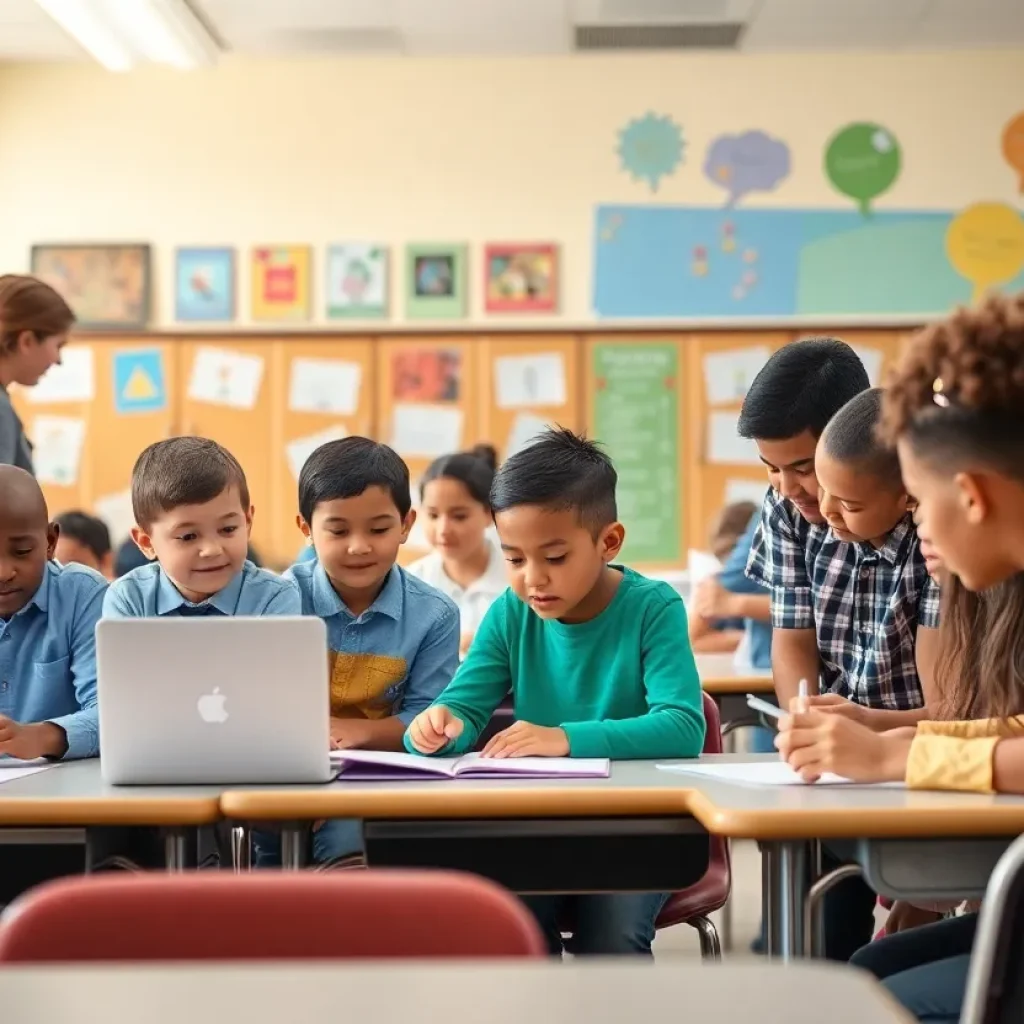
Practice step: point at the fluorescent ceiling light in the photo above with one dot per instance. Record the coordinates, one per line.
(122, 33)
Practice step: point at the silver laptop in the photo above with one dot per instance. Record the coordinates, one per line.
(213, 700)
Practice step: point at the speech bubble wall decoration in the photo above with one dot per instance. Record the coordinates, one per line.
(1013, 147)
(750, 162)
(862, 161)
(651, 148)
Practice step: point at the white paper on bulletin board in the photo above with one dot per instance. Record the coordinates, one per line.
(523, 382)
(737, 490)
(57, 449)
(300, 448)
(325, 385)
(74, 380)
(872, 358)
(221, 376)
(116, 511)
(426, 430)
(725, 447)
(728, 375)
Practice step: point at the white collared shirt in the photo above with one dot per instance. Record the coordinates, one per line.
(474, 600)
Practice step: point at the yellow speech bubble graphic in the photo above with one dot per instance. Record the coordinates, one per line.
(985, 244)
(1013, 146)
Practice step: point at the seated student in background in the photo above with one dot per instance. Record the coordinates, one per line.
(393, 639)
(84, 540)
(955, 410)
(717, 623)
(465, 563)
(48, 616)
(193, 517)
(594, 654)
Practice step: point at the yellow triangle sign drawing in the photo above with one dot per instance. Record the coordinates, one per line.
(139, 386)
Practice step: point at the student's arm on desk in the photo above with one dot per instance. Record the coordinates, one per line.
(705, 639)
(794, 657)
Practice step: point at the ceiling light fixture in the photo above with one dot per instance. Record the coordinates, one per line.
(120, 34)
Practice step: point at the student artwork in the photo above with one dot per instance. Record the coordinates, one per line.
(324, 386)
(520, 278)
(985, 244)
(426, 375)
(357, 281)
(299, 449)
(750, 162)
(725, 447)
(108, 286)
(57, 449)
(435, 281)
(524, 382)
(651, 148)
(281, 282)
(424, 430)
(862, 161)
(728, 375)
(204, 287)
(1013, 147)
(221, 376)
(71, 380)
(139, 384)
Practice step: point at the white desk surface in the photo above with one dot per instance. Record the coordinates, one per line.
(397, 993)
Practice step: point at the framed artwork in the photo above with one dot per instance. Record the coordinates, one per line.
(204, 284)
(435, 281)
(521, 278)
(281, 282)
(109, 287)
(357, 281)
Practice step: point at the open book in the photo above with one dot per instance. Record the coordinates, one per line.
(387, 766)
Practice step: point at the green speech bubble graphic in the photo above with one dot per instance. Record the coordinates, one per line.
(862, 161)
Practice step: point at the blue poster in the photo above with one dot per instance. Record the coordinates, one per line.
(139, 384)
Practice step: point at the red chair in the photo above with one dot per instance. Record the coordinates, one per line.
(268, 916)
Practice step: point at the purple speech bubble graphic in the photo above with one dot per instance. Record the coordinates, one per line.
(751, 162)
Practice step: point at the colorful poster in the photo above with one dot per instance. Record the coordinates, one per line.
(139, 384)
(650, 148)
(357, 281)
(281, 282)
(426, 375)
(636, 413)
(435, 278)
(863, 161)
(204, 286)
(751, 162)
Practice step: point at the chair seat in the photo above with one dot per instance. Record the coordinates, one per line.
(703, 897)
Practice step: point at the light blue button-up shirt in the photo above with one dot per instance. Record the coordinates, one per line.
(393, 659)
(48, 656)
(147, 593)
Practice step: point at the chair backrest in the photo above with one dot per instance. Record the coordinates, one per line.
(272, 916)
(995, 979)
(713, 734)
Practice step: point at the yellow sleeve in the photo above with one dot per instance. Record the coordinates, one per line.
(974, 729)
(951, 762)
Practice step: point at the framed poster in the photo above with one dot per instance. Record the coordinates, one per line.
(521, 278)
(357, 281)
(281, 282)
(204, 285)
(435, 282)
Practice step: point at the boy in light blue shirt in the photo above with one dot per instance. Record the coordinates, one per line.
(193, 516)
(393, 640)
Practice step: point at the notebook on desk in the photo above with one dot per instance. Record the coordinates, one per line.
(388, 766)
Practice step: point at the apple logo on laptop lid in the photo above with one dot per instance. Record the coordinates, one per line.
(211, 707)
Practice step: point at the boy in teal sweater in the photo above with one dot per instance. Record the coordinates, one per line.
(596, 657)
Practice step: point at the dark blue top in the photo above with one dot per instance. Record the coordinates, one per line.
(734, 578)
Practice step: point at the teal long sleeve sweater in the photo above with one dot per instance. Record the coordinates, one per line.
(623, 685)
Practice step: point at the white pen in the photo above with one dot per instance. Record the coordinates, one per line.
(756, 704)
(802, 695)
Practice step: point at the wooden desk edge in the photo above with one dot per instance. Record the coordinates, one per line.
(737, 684)
(79, 812)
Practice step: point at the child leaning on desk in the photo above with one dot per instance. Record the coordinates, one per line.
(955, 411)
(594, 653)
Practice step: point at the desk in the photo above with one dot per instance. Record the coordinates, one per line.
(74, 795)
(728, 685)
(395, 993)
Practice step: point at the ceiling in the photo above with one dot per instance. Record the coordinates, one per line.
(524, 27)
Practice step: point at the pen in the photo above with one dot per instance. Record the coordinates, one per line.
(756, 704)
(802, 694)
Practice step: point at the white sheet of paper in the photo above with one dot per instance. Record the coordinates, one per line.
(525, 430)
(724, 444)
(426, 430)
(222, 377)
(523, 382)
(764, 773)
(57, 454)
(116, 511)
(11, 769)
(325, 385)
(728, 375)
(301, 448)
(872, 358)
(73, 381)
(745, 490)
(700, 565)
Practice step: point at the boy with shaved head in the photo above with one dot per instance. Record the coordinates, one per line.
(48, 616)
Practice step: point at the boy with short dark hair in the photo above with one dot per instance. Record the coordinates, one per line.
(84, 540)
(193, 519)
(595, 655)
(393, 639)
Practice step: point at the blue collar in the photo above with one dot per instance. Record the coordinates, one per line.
(388, 602)
(169, 598)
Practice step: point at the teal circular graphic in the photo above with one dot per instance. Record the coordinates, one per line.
(862, 161)
(651, 148)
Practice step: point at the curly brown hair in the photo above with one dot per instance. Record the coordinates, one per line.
(958, 392)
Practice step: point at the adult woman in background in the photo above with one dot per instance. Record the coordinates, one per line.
(34, 325)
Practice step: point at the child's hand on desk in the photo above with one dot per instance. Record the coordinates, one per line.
(813, 742)
(27, 742)
(434, 728)
(525, 740)
(348, 733)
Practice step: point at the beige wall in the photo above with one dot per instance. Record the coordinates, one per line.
(463, 150)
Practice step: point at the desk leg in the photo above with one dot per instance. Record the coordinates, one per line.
(293, 847)
(175, 849)
(786, 872)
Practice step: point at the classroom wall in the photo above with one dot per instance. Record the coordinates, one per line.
(398, 150)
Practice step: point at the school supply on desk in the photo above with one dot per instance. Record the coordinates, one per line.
(387, 766)
(11, 768)
(765, 773)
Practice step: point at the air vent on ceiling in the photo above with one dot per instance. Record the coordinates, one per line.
(724, 36)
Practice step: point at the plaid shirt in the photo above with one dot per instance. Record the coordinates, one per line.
(864, 603)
